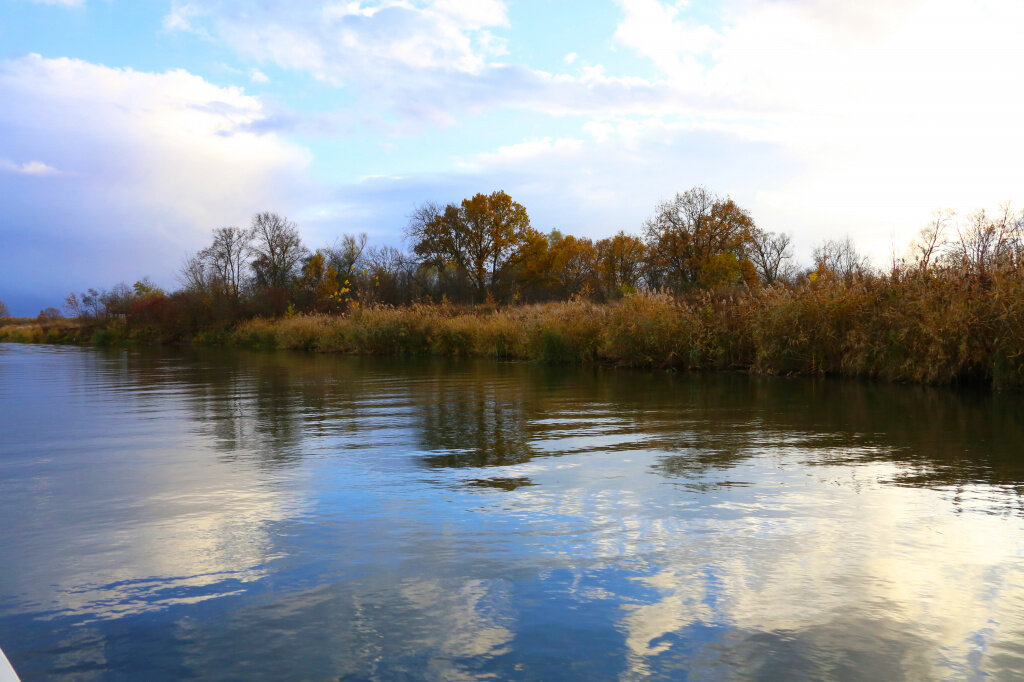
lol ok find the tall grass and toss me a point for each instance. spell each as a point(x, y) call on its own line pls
point(936, 330)
point(920, 327)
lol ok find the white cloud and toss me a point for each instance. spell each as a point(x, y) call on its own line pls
point(473, 14)
point(338, 41)
point(589, 187)
point(824, 117)
point(178, 18)
point(149, 164)
point(652, 28)
point(895, 110)
point(257, 76)
point(529, 149)
point(64, 3)
point(27, 168)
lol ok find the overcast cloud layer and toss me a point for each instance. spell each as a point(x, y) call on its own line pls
point(824, 118)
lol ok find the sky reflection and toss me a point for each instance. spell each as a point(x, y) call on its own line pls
point(267, 516)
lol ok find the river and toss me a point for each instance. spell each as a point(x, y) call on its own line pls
point(227, 515)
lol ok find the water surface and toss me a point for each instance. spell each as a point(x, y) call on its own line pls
point(174, 515)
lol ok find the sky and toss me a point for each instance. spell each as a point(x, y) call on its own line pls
point(130, 130)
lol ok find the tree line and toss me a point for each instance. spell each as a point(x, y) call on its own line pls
point(484, 249)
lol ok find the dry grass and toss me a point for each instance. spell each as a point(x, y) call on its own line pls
point(936, 330)
point(921, 328)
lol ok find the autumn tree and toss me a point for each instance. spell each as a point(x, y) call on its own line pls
point(277, 249)
point(479, 238)
point(699, 239)
point(573, 265)
point(320, 285)
point(620, 261)
point(533, 270)
point(90, 303)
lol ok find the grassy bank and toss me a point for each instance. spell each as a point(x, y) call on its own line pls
point(921, 329)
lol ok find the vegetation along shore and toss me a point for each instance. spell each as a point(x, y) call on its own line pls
point(701, 288)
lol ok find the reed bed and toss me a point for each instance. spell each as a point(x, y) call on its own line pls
point(920, 330)
point(918, 327)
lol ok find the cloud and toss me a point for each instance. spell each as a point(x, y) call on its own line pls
point(27, 168)
point(588, 185)
point(257, 76)
point(338, 41)
point(149, 164)
point(822, 117)
point(65, 3)
point(895, 109)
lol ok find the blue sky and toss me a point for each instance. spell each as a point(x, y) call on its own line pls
point(130, 130)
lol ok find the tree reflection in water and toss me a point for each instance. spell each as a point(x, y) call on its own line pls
point(450, 519)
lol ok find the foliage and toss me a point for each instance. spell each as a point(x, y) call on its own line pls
point(706, 290)
point(479, 239)
point(698, 239)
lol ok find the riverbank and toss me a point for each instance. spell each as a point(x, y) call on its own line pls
point(922, 330)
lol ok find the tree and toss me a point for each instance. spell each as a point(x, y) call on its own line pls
point(840, 258)
point(931, 241)
point(225, 261)
point(509, 227)
point(89, 304)
point(620, 263)
point(277, 248)
point(193, 274)
point(699, 239)
point(989, 243)
point(391, 276)
point(346, 253)
point(573, 265)
point(320, 283)
point(481, 237)
point(146, 287)
point(4, 310)
point(770, 254)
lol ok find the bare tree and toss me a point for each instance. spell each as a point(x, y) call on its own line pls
point(193, 273)
point(225, 260)
point(346, 253)
point(771, 255)
point(4, 310)
point(840, 257)
point(931, 241)
point(986, 243)
point(278, 249)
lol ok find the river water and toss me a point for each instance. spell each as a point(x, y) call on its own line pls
point(225, 515)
